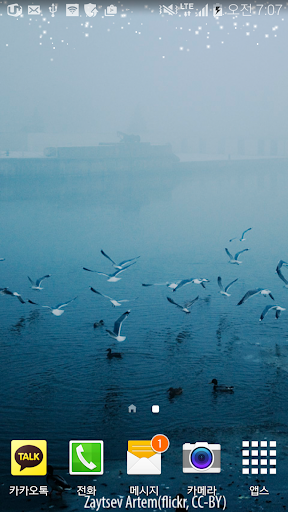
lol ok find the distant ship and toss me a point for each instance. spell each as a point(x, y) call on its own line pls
point(129, 153)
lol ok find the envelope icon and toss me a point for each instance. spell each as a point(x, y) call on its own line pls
point(142, 459)
point(34, 9)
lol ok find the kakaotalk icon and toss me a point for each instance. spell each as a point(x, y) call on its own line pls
point(28, 457)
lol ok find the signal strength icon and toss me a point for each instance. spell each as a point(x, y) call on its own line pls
point(72, 9)
point(204, 11)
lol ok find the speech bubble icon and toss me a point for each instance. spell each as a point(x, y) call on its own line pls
point(28, 456)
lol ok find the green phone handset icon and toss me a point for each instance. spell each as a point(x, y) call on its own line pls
point(86, 457)
point(89, 465)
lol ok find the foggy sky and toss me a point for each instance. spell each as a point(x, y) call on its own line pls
point(117, 79)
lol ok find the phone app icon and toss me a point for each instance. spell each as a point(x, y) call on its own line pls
point(86, 457)
point(28, 457)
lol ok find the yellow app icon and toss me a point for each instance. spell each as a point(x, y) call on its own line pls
point(142, 459)
point(28, 457)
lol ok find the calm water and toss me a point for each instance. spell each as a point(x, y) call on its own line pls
point(57, 383)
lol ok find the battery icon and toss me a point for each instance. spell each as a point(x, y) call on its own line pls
point(217, 10)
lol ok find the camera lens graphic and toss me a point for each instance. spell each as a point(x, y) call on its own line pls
point(201, 458)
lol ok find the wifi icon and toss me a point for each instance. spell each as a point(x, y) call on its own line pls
point(72, 9)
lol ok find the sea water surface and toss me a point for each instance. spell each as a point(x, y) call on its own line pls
point(57, 383)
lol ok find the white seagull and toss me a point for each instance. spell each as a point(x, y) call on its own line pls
point(2, 259)
point(234, 260)
point(117, 327)
point(251, 293)
point(268, 308)
point(186, 306)
point(178, 284)
point(113, 301)
point(37, 284)
point(278, 270)
point(222, 291)
point(201, 281)
point(57, 310)
point(112, 277)
point(242, 236)
point(120, 265)
point(6, 291)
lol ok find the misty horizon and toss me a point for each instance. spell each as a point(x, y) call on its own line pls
point(154, 77)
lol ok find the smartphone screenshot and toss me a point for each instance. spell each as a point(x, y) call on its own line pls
point(143, 256)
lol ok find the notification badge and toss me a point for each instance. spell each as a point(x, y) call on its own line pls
point(28, 458)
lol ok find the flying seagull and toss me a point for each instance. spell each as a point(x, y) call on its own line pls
point(279, 272)
point(234, 260)
point(113, 301)
point(201, 281)
point(112, 277)
point(222, 291)
point(120, 265)
point(6, 291)
point(242, 236)
point(37, 284)
point(186, 306)
point(251, 293)
point(57, 310)
point(178, 284)
point(117, 327)
point(268, 308)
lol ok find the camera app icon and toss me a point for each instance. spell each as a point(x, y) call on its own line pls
point(201, 458)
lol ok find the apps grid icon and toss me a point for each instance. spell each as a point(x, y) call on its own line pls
point(259, 457)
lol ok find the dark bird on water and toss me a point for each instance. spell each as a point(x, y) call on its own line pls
point(175, 392)
point(56, 482)
point(98, 324)
point(111, 354)
point(221, 388)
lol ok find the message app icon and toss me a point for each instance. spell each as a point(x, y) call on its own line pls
point(28, 458)
point(86, 457)
point(144, 457)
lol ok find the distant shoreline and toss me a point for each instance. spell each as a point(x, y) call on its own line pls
point(22, 166)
